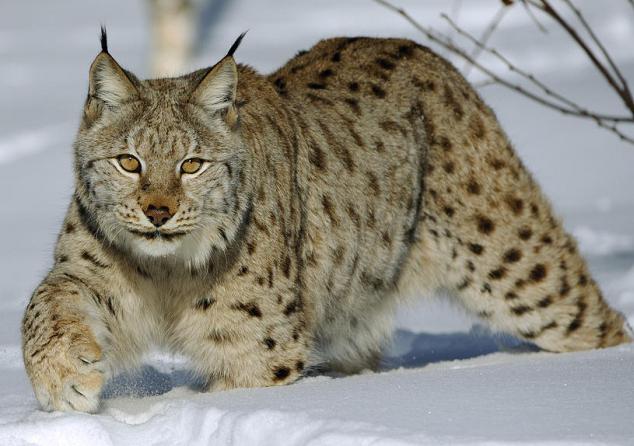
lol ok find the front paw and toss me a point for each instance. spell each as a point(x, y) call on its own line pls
point(66, 370)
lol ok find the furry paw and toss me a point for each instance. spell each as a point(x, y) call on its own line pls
point(66, 371)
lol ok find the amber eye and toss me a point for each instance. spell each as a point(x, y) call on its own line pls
point(191, 165)
point(129, 163)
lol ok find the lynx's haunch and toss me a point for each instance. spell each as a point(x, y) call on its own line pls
point(264, 225)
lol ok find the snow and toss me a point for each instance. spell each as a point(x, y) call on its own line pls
point(446, 379)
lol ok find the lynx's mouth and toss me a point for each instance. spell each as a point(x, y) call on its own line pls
point(158, 234)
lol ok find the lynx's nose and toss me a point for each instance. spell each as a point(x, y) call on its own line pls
point(158, 215)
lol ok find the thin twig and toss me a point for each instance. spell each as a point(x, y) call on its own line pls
point(530, 77)
point(598, 43)
point(484, 83)
point(546, 7)
point(529, 11)
point(486, 35)
point(445, 43)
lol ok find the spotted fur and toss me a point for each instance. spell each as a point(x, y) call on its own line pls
point(362, 170)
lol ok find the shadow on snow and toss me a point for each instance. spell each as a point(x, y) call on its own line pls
point(408, 350)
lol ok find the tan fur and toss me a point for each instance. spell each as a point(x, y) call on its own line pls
point(358, 172)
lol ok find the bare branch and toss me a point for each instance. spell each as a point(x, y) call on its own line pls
point(599, 44)
point(606, 122)
point(484, 83)
point(529, 11)
point(530, 77)
point(546, 7)
point(486, 35)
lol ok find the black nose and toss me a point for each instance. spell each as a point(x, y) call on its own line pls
point(158, 215)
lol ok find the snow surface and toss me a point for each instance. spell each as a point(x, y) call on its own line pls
point(445, 379)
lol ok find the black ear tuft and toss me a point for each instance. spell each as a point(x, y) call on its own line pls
point(236, 44)
point(104, 39)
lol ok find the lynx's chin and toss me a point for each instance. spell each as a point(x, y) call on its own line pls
point(190, 248)
point(154, 244)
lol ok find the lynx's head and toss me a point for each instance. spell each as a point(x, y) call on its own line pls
point(159, 163)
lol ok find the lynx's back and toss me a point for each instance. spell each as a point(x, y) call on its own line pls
point(410, 184)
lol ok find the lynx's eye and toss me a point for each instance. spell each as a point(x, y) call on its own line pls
point(129, 163)
point(191, 165)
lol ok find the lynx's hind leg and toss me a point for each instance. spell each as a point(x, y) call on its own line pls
point(488, 234)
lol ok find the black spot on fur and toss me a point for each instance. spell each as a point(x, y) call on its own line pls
point(316, 156)
point(452, 103)
point(512, 255)
point(511, 296)
point(515, 205)
point(329, 210)
point(281, 373)
point(521, 309)
point(525, 233)
point(577, 322)
point(354, 105)
point(291, 307)
point(250, 308)
point(280, 86)
point(205, 303)
point(385, 64)
point(497, 274)
point(243, 270)
point(404, 51)
point(464, 284)
point(323, 74)
point(473, 188)
point(270, 343)
point(485, 225)
point(92, 259)
point(497, 164)
point(545, 302)
point(445, 143)
point(286, 266)
point(353, 87)
point(583, 279)
point(538, 273)
point(378, 91)
point(476, 248)
point(316, 86)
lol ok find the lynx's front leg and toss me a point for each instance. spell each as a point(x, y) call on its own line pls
point(61, 354)
point(248, 338)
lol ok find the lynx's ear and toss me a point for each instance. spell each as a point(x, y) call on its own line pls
point(217, 90)
point(107, 80)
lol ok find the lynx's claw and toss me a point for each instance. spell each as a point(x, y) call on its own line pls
point(67, 375)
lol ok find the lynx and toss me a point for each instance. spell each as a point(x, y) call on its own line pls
point(267, 226)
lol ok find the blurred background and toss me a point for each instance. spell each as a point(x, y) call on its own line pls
point(46, 48)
